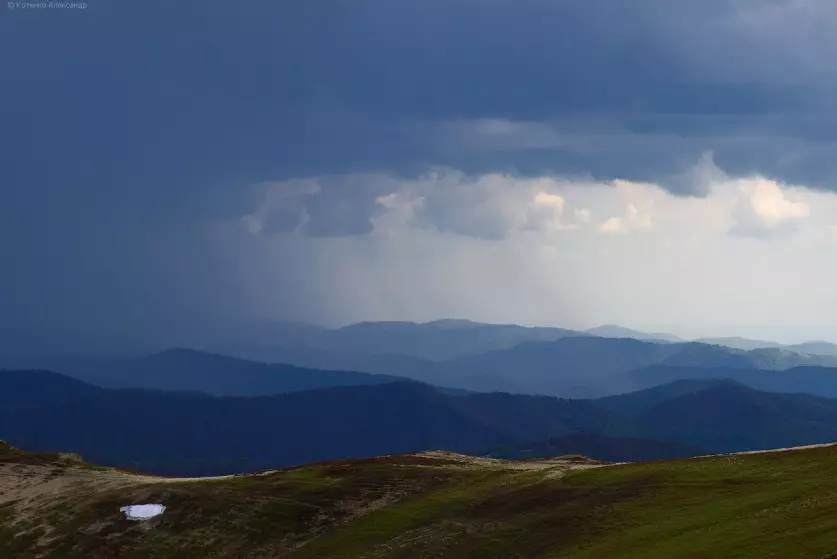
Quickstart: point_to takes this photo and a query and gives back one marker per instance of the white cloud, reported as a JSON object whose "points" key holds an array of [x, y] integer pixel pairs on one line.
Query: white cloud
{"points": [[492, 206], [633, 220], [498, 248], [770, 204], [495, 206], [763, 207], [401, 202], [550, 200], [582, 215], [612, 225]]}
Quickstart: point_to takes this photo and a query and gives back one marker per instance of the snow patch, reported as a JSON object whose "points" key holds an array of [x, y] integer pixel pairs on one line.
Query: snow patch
{"points": [[142, 512]]}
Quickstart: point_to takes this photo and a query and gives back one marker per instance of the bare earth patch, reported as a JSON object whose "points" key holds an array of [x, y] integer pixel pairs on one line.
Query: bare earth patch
{"points": [[770, 450]]}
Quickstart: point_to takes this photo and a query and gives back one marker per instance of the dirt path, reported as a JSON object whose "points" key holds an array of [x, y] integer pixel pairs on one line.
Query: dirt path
{"points": [[552, 468], [769, 450]]}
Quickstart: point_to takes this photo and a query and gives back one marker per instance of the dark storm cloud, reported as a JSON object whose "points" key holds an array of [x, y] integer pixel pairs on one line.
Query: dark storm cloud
{"points": [[127, 125]]}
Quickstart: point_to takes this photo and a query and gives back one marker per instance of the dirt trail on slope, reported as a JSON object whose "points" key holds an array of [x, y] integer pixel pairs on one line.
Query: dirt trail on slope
{"points": [[769, 450], [551, 467]]}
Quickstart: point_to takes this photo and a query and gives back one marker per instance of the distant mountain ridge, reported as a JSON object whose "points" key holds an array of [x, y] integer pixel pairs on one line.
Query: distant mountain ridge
{"points": [[191, 370], [180, 433], [740, 343], [451, 353], [818, 381], [486, 357], [812, 347], [613, 331], [734, 342], [589, 366], [438, 340], [577, 366]]}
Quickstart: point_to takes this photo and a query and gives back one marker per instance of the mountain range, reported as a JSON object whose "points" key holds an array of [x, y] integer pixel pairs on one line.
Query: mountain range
{"points": [[572, 366], [187, 433], [592, 366], [439, 340], [579, 366], [443, 340], [374, 388], [813, 347]]}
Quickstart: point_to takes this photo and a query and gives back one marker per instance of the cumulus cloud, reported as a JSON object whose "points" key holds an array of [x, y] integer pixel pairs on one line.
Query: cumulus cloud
{"points": [[611, 225], [552, 201], [582, 215], [490, 207], [684, 272], [764, 208], [633, 220], [495, 206]]}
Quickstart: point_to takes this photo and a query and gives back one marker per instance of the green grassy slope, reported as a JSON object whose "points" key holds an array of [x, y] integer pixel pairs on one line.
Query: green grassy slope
{"points": [[781, 504]]}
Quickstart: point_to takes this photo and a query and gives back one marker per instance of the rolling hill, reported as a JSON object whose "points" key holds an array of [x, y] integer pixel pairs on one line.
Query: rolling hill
{"points": [[772, 505]]}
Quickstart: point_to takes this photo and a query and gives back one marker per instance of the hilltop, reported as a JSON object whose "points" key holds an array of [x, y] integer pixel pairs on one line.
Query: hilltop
{"points": [[432, 504]]}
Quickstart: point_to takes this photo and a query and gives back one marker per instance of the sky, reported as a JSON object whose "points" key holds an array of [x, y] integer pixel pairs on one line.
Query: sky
{"points": [[167, 170]]}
